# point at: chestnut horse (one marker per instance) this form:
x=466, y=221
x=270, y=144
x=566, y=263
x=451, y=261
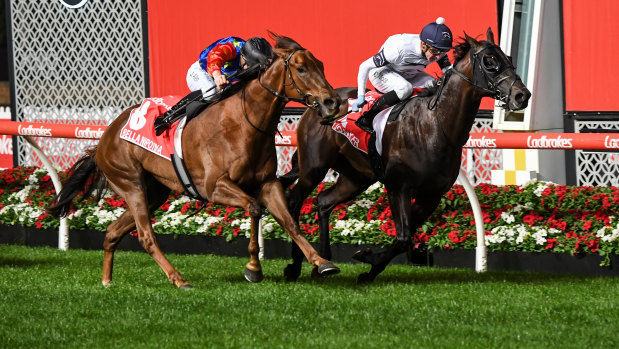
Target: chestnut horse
x=229, y=153
x=421, y=150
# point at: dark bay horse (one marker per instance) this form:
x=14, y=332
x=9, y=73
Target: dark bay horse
x=230, y=155
x=421, y=150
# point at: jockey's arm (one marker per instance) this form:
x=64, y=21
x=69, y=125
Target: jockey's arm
x=216, y=59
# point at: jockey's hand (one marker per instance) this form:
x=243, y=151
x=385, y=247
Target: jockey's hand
x=220, y=79
x=358, y=103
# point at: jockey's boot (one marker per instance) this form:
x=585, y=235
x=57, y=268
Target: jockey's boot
x=365, y=120
x=164, y=121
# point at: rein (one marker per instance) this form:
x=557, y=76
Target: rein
x=305, y=96
x=303, y=100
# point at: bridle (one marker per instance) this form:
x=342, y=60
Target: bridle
x=305, y=98
x=489, y=73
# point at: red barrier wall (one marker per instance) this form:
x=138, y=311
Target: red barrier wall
x=590, y=31
x=340, y=33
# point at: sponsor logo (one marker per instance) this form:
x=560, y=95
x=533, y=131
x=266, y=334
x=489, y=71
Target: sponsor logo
x=283, y=139
x=88, y=133
x=611, y=143
x=482, y=142
x=549, y=143
x=379, y=59
x=73, y=3
x=6, y=145
x=34, y=131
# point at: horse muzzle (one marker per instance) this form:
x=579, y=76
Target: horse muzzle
x=329, y=106
x=519, y=99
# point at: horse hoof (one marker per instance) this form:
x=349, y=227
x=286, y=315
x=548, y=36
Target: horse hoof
x=328, y=268
x=364, y=279
x=253, y=276
x=361, y=255
x=186, y=287
x=292, y=272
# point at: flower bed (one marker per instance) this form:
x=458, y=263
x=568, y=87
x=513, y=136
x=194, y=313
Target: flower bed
x=538, y=217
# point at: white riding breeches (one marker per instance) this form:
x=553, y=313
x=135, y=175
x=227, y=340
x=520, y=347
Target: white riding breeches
x=199, y=79
x=385, y=79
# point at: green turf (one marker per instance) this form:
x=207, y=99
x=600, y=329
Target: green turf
x=50, y=298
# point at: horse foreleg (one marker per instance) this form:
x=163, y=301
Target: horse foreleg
x=307, y=182
x=228, y=193
x=406, y=218
x=272, y=195
x=344, y=190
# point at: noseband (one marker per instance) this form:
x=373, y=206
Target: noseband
x=493, y=83
x=306, y=97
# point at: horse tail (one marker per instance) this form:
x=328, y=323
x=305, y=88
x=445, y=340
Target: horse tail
x=84, y=177
x=291, y=176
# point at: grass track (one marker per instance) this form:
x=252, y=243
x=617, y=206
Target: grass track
x=51, y=298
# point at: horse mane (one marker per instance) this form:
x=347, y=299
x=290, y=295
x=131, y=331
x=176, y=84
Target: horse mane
x=460, y=50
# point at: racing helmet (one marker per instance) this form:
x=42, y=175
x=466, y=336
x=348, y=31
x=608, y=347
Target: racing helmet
x=437, y=34
x=257, y=50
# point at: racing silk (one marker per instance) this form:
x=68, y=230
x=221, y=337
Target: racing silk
x=223, y=55
x=402, y=54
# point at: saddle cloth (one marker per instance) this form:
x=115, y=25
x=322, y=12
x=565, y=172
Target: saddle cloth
x=356, y=136
x=139, y=128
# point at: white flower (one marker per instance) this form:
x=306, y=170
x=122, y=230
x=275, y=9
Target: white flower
x=507, y=217
x=540, y=235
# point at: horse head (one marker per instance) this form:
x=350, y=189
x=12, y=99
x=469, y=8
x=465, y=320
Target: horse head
x=304, y=78
x=494, y=73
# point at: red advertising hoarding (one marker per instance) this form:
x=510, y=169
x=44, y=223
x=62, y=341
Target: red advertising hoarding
x=340, y=33
x=590, y=31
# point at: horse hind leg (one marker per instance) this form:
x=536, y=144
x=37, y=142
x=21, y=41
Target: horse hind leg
x=124, y=224
x=133, y=190
x=253, y=269
x=114, y=233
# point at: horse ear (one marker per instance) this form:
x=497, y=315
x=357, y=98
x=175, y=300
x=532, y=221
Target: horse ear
x=490, y=35
x=470, y=40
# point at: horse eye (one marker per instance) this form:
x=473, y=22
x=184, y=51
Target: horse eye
x=301, y=70
x=490, y=63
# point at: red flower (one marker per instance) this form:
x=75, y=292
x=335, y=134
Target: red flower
x=587, y=225
x=389, y=228
x=551, y=243
x=307, y=207
x=342, y=214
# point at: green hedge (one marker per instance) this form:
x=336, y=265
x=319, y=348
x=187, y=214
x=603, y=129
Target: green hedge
x=537, y=217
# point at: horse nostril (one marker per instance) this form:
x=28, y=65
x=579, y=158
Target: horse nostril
x=330, y=103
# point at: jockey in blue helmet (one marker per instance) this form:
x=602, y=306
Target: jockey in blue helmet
x=399, y=66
